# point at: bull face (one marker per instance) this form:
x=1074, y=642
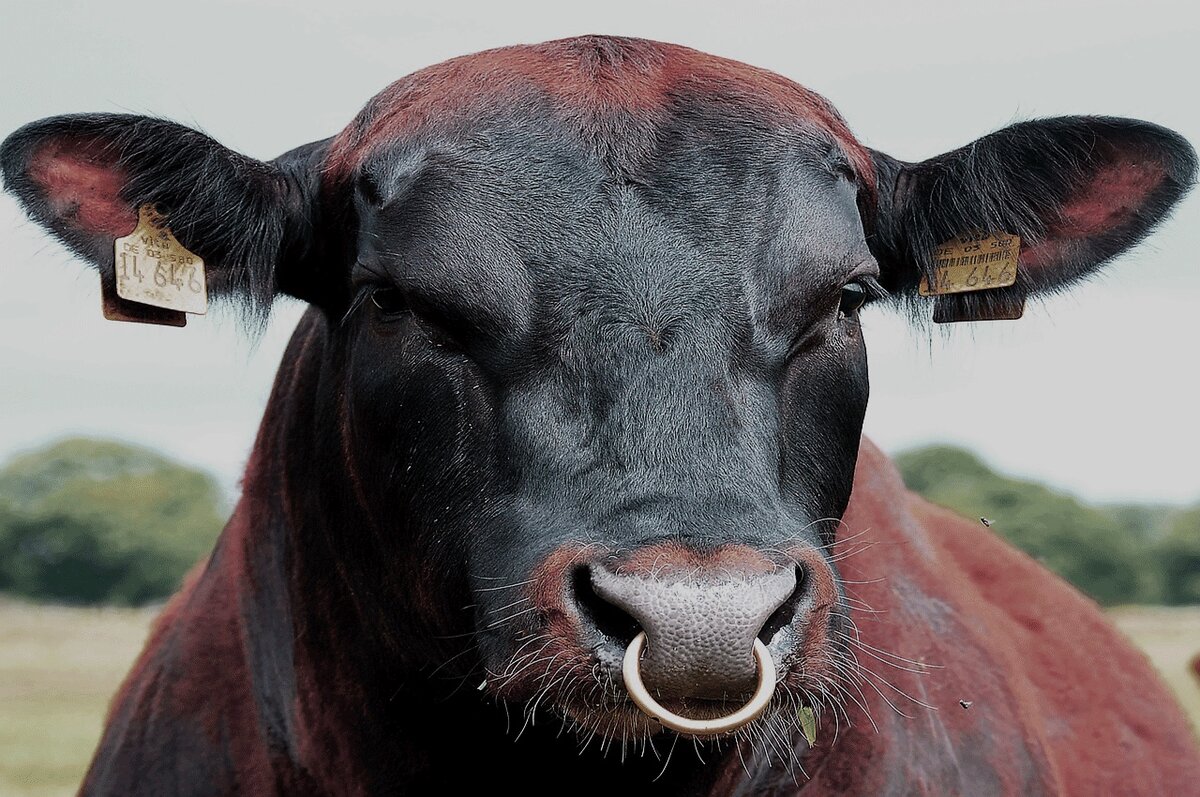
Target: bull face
x=653, y=381
x=584, y=355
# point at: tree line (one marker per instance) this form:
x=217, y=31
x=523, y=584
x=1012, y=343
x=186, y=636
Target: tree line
x=95, y=521
x=1116, y=554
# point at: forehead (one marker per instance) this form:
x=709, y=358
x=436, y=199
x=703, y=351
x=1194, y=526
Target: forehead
x=605, y=158
x=616, y=94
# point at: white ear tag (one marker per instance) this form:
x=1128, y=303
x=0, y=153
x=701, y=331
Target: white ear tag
x=153, y=268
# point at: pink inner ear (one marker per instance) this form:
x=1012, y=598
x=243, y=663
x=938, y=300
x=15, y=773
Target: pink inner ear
x=1107, y=201
x=1115, y=193
x=82, y=185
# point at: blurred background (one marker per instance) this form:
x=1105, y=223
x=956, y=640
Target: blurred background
x=1074, y=430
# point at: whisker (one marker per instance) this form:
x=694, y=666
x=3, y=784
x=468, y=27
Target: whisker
x=852, y=552
x=506, y=586
x=897, y=689
x=517, y=602
x=882, y=660
x=512, y=616
x=667, y=763
x=896, y=656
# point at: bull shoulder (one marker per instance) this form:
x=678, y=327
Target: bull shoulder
x=1007, y=674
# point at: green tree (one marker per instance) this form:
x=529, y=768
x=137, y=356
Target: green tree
x=93, y=521
x=1179, y=558
x=939, y=468
x=1087, y=546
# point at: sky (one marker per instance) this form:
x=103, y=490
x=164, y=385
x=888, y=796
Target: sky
x=1095, y=392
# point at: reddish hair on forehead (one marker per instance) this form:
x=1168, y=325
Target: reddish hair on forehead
x=589, y=79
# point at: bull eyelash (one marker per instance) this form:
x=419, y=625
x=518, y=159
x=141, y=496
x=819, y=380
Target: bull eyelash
x=360, y=297
x=875, y=291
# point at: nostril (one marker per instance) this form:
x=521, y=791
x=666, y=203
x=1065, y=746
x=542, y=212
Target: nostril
x=785, y=615
x=610, y=620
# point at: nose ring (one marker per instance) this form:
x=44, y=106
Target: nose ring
x=631, y=671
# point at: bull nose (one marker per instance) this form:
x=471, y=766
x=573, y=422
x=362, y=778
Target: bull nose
x=700, y=626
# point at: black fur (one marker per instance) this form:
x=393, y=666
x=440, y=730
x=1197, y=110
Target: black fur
x=1016, y=180
x=576, y=326
x=242, y=216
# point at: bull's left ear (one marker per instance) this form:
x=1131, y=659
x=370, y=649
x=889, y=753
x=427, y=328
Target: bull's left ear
x=85, y=176
x=1078, y=190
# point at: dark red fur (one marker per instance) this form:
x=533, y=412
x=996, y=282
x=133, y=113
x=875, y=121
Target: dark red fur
x=1059, y=701
x=301, y=658
x=672, y=557
x=601, y=82
x=1065, y=704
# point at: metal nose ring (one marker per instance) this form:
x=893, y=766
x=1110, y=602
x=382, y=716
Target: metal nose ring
x=631, y=671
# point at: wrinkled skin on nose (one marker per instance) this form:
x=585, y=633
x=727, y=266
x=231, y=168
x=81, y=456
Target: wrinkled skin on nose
x=700, y=628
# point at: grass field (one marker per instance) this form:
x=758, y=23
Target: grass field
x=59, y=667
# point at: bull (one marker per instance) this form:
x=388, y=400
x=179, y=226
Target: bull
x=561, y=479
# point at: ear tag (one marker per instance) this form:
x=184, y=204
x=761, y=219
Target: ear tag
x=973, y=262
x=152, y=268
x=117, y=309
x=999, y=306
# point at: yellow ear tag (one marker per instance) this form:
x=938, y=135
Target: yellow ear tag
x=1000, y=306
x=973, y=262
x=153, y=268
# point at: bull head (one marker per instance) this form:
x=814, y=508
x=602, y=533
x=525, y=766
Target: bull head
x=584, y=360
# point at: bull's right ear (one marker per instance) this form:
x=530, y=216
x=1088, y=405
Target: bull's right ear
x=1076, y=190
x=84, y=177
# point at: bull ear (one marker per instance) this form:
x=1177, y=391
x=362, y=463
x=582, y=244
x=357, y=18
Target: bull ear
x=1078, y=191
x=84, y=177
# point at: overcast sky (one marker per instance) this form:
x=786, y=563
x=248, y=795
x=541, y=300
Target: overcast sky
x=1096, y=391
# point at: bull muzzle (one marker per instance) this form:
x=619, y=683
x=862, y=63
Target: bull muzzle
x=699, y=643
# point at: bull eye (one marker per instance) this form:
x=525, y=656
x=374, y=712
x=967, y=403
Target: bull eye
x=444, y=320
x=854, y=295
x=390, y=301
